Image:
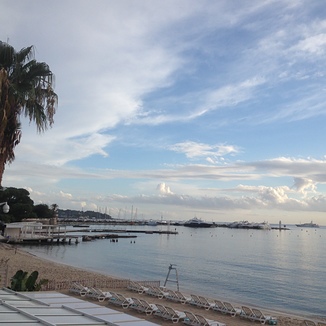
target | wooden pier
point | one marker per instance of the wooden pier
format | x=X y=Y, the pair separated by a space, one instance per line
x=127 y=231
x=44 y=239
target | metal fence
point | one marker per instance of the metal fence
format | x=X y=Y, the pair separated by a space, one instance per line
x=101 y=284
x=52 y=285
x=3 y=272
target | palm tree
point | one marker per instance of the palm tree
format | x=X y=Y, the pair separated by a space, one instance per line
x=54 y=209
x=26 y=87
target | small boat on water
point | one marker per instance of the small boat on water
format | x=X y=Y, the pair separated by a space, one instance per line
x=151 y=223
x=308 y=225
x=198 y=223
x=247 y=225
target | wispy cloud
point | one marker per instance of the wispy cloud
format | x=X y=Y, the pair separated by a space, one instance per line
x=199 y=150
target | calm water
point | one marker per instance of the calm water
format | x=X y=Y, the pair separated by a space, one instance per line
x=281 y=270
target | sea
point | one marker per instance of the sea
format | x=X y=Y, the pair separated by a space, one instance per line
x=281 y=270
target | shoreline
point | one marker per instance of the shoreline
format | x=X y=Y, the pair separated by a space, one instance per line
x=48 y=269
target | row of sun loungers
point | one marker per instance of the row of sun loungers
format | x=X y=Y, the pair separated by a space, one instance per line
x=253 y=314
x=141 y=305
x=90 y=292
x=159 y=310
x=168 y=313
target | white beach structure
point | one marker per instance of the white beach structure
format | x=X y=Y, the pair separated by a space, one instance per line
x=24 y=231
x=54 y=308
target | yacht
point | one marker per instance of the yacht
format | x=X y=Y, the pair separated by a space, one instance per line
x=197 y=223
x=248 y=225
x=308 y=225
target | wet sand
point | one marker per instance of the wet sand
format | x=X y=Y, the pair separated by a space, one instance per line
x=19 y=259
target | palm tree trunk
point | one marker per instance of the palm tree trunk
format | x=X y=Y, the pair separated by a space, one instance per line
x=2 y=168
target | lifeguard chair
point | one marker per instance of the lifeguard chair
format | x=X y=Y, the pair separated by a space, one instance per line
x=168 y=276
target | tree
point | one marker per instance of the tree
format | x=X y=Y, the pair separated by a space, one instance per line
x=20 y=203
x=26 y=87
x=42 y=211
x=54 y=209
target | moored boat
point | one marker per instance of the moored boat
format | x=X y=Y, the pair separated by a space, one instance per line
x=308 y=225
x=198 y=223
x=247 y=225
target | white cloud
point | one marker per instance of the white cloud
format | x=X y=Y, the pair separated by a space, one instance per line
x=231 y=95
x=199 y=150
x=164 y=189
x=304 y=185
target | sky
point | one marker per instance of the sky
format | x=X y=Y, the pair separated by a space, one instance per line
x=177 y=108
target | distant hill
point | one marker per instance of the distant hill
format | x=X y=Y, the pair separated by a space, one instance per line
x=74 y=214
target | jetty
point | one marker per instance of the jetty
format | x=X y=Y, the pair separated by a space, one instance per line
x=36 y=232
x=125 y=231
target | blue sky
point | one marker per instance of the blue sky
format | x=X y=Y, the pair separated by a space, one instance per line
x=185 y=108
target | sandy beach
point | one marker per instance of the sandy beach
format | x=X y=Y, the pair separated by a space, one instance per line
x=19 y=259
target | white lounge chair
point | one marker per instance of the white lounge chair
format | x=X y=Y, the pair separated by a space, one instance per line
x=156 y=292
x=174 y=315
x=171 y=295
x=120 y=300
x=79 y=289
x=195 y=301
x=205 y=303
x=136 y=304
x=98 y=294
x=182 y=298
x=219 y=306
x=177 y=296
x=160 y=311
x=200 y=301
x=231 y=310
x=208 y=322
x=148 y=308
x=137 y=287
x=259 y=316
x=190 y=319
x=247 y=313
x=143 y=306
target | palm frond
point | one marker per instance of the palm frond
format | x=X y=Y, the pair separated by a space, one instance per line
x=26 y=86
x=7 y=55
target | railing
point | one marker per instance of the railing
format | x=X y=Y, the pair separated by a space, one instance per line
x=4 y=270
x=53 y=285
x=101 y=284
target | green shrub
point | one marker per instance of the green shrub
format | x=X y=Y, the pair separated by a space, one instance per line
x=21 y=281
